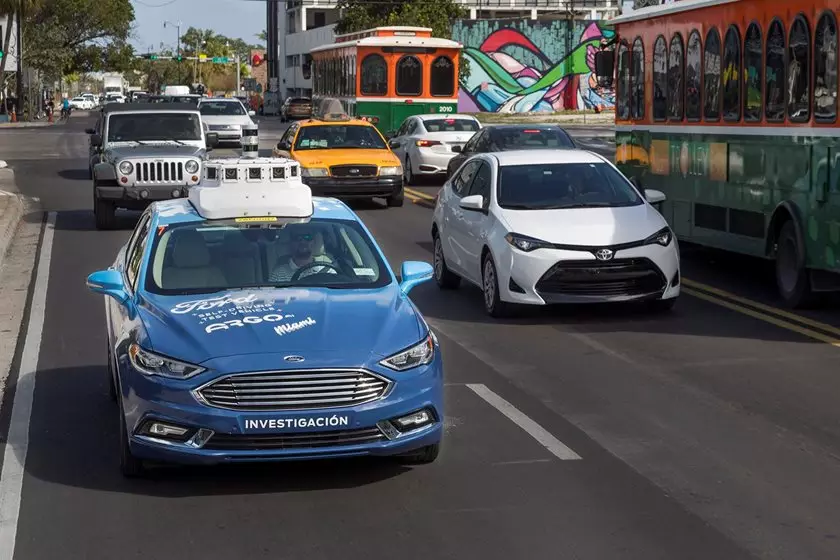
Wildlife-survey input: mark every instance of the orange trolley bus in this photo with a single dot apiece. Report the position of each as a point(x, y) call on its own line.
point(387, 74)
point(729, 107)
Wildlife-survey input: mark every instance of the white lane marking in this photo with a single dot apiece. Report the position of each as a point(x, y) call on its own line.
point(14, 456)
point(554, 445)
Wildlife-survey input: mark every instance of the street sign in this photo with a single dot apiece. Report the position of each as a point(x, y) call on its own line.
point(274, 84)
point(250, 84)
point(220, 59)
point(202, 57)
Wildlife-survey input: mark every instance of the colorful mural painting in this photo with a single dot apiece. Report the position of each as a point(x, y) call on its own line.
point(525, 66)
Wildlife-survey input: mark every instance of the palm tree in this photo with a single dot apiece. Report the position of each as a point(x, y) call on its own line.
point(263, 36)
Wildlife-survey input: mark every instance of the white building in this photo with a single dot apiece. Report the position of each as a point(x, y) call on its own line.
point(11, 58)
point(305, 24)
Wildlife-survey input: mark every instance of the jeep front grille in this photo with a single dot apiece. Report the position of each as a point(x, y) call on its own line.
point(160, 172)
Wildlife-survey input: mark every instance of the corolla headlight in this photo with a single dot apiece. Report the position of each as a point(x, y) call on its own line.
point(314, 172)
point(418, 355)
point(150, 363)
point(386, 171)
point(525, 243)
point(662, 237)
point(126, 167)
point(191, 166)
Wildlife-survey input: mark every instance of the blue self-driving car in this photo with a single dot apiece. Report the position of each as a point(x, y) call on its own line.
point(251, 338)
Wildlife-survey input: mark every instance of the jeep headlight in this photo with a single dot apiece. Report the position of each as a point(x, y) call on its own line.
point(191, 166)
point(149, 363)
point(419, 354)
point(386, 171)
point(314, 172)
point(126, 167)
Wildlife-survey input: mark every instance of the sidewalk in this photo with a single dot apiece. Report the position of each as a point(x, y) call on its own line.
point(29, 124)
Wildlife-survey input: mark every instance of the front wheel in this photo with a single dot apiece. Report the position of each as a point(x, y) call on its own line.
point(792, 277)
point(408, 174)
point(396, 200)
point(493, 303)
point(105, 213)
point(422, 456)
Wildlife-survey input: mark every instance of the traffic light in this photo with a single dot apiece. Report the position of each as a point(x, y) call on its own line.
point(179, 58)
point(150, 56)
point(256, 60)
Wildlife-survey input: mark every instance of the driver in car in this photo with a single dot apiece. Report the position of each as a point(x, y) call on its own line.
point(303, 257)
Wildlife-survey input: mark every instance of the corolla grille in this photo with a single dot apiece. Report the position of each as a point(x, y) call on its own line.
point(159, 171)
point(620, 277)
point(294, 390)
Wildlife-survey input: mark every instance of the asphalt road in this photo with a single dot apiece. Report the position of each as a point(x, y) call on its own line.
point(712, 432)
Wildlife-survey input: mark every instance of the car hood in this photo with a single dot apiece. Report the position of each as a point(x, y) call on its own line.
point(226, 119)
point(152, 149)
point(586, 226)
point(318, 324)
point(338, 156)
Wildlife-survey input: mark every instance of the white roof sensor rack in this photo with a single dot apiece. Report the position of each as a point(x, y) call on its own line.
point(251, 187)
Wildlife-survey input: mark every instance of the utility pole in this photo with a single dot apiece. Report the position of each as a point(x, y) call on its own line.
point(238, 69)
point(19, 45)
point(177, 26)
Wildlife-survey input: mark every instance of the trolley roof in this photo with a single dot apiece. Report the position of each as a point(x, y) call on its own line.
point(393, 37)
point(660, 10)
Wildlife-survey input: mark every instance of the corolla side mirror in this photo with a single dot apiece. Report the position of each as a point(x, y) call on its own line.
point(474, 202)
point(414, 273)
point(654, 197)
point(393, 144)
point(457, 149)
point(110, 283)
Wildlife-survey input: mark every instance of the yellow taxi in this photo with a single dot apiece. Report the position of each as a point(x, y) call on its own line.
point(343, 157)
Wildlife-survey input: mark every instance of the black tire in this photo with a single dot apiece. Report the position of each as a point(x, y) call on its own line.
point(445, 278)
point(661, 305)
point(105, 213)
point(130, 466)
point(396, 200)
point(493, 304)
point(422, 456)
point(112, 386)
point(408, 175)
point(792, 278)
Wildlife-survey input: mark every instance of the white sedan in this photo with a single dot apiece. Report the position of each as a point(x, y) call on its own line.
point(424, 142)
point(553, 226)
point(81, 103)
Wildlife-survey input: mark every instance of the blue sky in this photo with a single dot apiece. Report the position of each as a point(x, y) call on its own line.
point(233, 18)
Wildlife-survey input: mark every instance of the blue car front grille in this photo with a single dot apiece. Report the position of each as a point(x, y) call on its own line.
point(294, 390)
point(309, 440)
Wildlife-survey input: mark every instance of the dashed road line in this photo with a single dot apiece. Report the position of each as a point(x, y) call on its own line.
point(551, 443)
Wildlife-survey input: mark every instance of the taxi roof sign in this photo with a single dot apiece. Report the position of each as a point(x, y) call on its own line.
point(251, 190)
point(334, 117)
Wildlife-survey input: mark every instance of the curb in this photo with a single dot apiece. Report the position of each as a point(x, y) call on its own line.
point(13, 212)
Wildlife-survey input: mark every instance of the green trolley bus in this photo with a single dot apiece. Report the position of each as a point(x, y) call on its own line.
point(729, 107)
point(387, 74)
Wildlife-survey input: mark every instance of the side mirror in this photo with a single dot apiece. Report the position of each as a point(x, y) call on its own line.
point(414, 273)
point(473, 202)
point(90, 131)
point(457, 149)
point(96, 140)
point(654, 197)
point(252, 113)
point(393, 144)
point(212, 140)
point(108, 282)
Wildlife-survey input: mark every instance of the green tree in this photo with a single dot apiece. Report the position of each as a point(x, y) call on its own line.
point(63, 36)
point(263, 37)
point(10, 8)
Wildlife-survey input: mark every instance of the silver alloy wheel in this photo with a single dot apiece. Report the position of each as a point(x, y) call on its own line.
point(489, 284)
point(438, 259)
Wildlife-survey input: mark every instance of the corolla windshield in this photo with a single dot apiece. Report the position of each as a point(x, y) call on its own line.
point(203, 257)
point(337, 136)
point(221, 108)
point(564, 185)
point(139, 127)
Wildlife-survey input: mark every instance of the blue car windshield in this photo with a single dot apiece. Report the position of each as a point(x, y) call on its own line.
point(207, 257)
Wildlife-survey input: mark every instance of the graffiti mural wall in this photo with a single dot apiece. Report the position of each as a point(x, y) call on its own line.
point(521, 66)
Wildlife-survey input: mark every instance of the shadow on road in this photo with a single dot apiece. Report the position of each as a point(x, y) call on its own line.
point(83, 451)
point(75, 174)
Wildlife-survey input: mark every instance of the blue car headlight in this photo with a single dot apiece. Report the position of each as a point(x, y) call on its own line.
point(149, 363)
point(420, 354)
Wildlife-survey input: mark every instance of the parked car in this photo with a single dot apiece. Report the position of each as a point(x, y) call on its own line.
point(426, 143)
point(507, 137)
point(540, 227)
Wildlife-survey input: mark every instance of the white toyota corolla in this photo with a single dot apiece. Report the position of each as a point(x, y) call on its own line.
point(552, 226)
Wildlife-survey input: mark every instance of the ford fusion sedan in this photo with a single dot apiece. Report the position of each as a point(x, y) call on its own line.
point(558, 226)
point(237, 338)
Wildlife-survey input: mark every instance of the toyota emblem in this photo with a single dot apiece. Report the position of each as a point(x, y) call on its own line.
point(294, 358)
point(604, 254)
